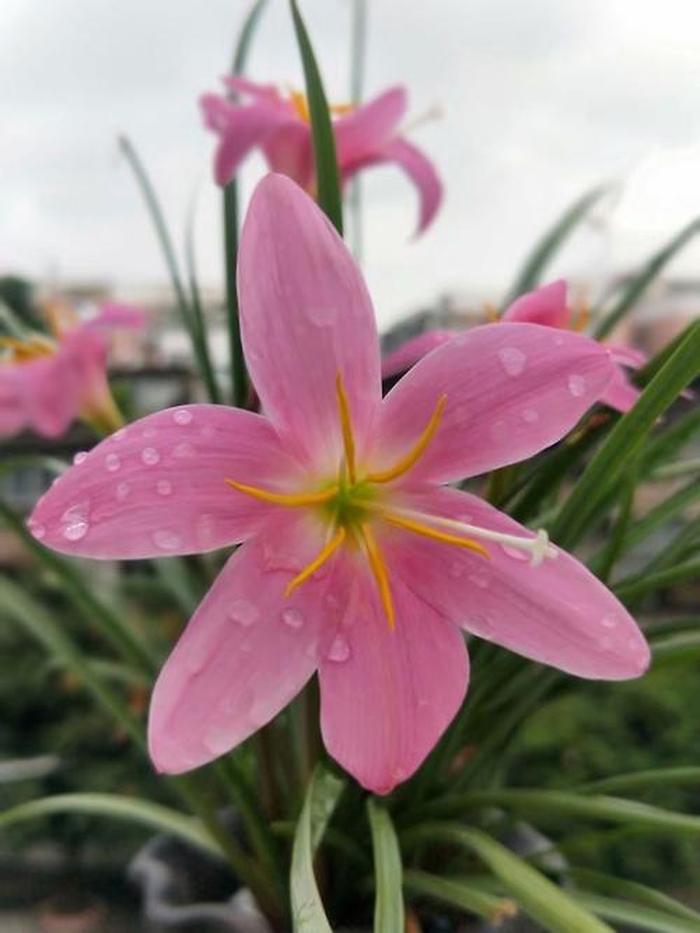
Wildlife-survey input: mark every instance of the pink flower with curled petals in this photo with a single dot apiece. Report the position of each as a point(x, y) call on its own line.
point(546, 306)
point(357, 561)
point(279, 126)
point(47, 381)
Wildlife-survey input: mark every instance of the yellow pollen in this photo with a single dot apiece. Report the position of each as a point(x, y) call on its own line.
point(283, 498)
point(409, 524)
point(405, 463)
point(300, 103)
point(346, 428)
point(381, 575)
point(318, 561)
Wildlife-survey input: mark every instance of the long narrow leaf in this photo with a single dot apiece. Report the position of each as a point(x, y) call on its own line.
point(626, 438)
point(535, 893)
point(633, 891)
point(643, 780)
point(152, 815)
point(641, 282)
point(530, 274)
point(325, 161)
point(638, 918)
point(308, 915)
point(457, 892)
point(388, 907)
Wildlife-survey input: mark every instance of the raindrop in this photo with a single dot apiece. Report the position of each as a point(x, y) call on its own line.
point(184, 450)
point(166, 540)
point(122, 491)
point(80, 457)
point(339, 650)
point(577, 385)
point(218, 739)
point(457, 569)
point(150, 456)
point(292, 618)
point(36, 529)
point(530, 415)
point(119, 435)
point(183, 416)
point(559, 341)
point(499, 430)
point(78, 512)
point(164, 487)
point(608, 622)
point(112, 462)
point(262, 710)
point(76, 530)
point(512, 360)
point(399, 774)
point(515, 552)
point(323, 316)
point(479, 579)
point(149, 432)
point(243, 613)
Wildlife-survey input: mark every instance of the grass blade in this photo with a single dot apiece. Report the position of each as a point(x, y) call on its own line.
point(457, 892)
point(388, 907)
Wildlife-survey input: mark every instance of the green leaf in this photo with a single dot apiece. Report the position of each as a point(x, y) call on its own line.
point(633, 891)
point(639, 918)
point(326, 163)
point(660, 514)
point(625, 439)
point(681, 647)
point(551, 803)
point(388, 907)
point(643, 780)
point(636, 288)
point(152, 815)
point(308, 915)
point(457, 892)
point(633, 588)
point(531, 273)
point(536, 894)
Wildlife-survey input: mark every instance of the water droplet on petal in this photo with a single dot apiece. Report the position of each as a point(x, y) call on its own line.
point(515, 552)
point(122, 491)
point(207, 431)
point(457, 569)
point(262, 709)
point(183, 416)
point(559, 341)
point(150, 456)
point(609, 621)
point(512, 360)
point(80, 457)
point(75, 530)
point(323, 316)
point(480, 579)
point(112, 462)
point(499, 430)
point(164, 487)
point(219, 739)
point(36, 528)
point(149, 432)
point(577, 385)
point(184, 450)
point(399, 774)
point(166, 539)
point(292, 618)
point(339, 650)
point(530, 415)
point(77, 512)
point(118, 435)
point(243, 613)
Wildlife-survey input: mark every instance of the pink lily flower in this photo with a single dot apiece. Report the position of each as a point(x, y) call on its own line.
point(358, 562)
point(47, 381)
point(546, 306)
point(279, 126)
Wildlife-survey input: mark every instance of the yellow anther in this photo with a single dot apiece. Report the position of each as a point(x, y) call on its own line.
point(491, 312)
point(300, 103)
point(21, 351)
point(326, 552)
point(405, 463)
point(409, 524)
point(381, 575)
point(284, 498)
point(346, 428)
point(582, 316)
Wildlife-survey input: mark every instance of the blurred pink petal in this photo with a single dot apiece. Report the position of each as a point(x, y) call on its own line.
point(113, 315)
point(407, 354)
point(512, 390)
point(421, 171)
point(625, 355)
point(547, 305)
point(369, 128)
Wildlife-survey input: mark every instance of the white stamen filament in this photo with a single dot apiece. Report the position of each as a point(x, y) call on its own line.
point(435, 112)
point(538, 547)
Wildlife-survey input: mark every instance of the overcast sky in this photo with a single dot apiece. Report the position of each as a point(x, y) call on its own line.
point(540, 98)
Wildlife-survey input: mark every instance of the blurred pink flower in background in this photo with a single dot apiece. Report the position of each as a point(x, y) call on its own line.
point(279, 126)
point(548, 307)
point(357, 561)
point(48, 381)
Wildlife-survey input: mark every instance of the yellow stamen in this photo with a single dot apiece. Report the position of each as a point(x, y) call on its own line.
point(426, 531)
point(346, 428)
point(381, 575)
point(405, 463)
point(300, 104)
point(23, 350)
point(491, 312)
point(318, 561)
point(582, 316)
point(284, 498)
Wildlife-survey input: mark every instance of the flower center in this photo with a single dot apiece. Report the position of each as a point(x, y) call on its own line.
point(356, 500)
point(14, 350)
point(300, 103)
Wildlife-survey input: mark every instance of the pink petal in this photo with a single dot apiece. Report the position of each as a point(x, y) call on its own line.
point(264, 92)
point(48, 410)
point(557, 613)
point(245, 654)
point(512, 390)
point(387, 696)
point(306, 317)
point(546, 305)
point(627, 356)
point(421, 171)
point(369, 128)
point(288, 151)
point(240, 130)
point(11, 414)
point(113, 315)
point(620, 394)
point(408, 353)
point(159, 486)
